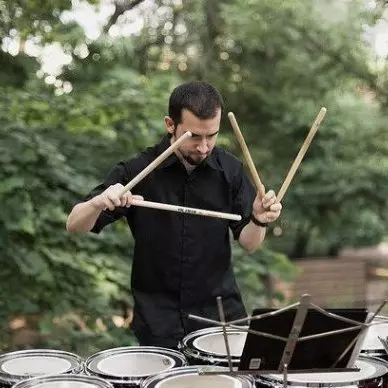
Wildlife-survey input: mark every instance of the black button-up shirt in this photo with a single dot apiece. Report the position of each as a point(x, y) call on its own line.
point(181, 262)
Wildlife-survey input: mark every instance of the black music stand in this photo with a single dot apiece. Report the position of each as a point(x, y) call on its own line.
point(315, 352)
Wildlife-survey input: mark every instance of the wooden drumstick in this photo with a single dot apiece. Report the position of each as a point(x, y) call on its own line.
point(187, 210)
point(301, 153)
point(155, 163)
point(247, 155)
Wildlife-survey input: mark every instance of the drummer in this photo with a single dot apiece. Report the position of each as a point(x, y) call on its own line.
point(182, 262)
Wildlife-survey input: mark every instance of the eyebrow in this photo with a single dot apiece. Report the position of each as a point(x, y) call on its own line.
point(197, 135)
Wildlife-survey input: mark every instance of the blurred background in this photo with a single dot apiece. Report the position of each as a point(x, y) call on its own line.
point(84, 84)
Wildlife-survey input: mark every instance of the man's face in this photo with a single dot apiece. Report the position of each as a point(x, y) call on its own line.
point(204, 135)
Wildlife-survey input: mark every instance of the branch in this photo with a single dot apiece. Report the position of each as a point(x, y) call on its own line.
point(121, 6)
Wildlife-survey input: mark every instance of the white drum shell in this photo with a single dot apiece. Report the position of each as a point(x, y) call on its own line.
point(190, 377)
point(207, 346)
point(371, 343)
point(23, 364)
point(128, 366)
point(64, 381)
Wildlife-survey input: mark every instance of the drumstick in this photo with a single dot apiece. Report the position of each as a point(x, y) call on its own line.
point(301, 153)
point(155, 163)
point(247, 155)
point(187, 210)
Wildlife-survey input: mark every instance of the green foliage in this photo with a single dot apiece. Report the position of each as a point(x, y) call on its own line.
point(257, 274)
point(43, 270)
point(32, 18)
point(46, 165)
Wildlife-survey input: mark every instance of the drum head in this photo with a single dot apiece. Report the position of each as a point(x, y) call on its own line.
point(64, 381)
point(189, 377)
point(209, 344)
point(371, 343)
point(23, 364)
point(369, 369)
point(133, 363)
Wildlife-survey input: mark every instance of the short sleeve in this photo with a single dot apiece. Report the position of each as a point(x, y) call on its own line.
point(244, 194)
point(119, 174)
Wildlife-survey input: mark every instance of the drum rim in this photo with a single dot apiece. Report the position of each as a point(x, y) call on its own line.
point(175, 355)
point(371, 352)
point(209, 358)
point(152, 381)
point(205, 355)
point(30, 383)
point(76, 362)
point(381, 317)
point(381, 363)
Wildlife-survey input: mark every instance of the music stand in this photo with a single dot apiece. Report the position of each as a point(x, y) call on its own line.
point(285, 340)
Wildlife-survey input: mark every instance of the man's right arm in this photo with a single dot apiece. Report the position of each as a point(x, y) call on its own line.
point(84, 215)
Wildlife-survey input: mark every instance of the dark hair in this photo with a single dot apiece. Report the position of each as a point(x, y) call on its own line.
point(200, 98)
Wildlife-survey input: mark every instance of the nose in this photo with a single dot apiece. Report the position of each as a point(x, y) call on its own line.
point(203, 146)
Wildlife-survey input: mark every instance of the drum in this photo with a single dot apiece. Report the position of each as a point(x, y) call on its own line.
point(23, 364)
point(189, 377)
point(128, 366)
point(64, 381)
point(207, 346)
point(370, 375)
point(371, 344)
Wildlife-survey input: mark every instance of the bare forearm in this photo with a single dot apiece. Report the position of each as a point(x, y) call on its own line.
point(251, 237)
point(83, 217)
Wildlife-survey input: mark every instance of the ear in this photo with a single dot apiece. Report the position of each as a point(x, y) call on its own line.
point(169, 123)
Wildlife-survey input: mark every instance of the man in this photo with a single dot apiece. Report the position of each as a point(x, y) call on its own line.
point(182, 262)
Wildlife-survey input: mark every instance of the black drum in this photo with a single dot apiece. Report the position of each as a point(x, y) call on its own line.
point(370, 375)
point(128, 366)
point(24, 364)
point(207, 346)
point(189, 377)
point(64, 381)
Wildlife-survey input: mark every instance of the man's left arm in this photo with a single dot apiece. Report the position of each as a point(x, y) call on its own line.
point(264, 210)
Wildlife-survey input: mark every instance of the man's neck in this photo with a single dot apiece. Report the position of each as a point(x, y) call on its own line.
point(189, 167)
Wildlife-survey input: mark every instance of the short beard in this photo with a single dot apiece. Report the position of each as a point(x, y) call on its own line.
point(193, 162)
point(187, 158)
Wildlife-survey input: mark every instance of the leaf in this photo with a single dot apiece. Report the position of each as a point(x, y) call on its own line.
point(10, 184)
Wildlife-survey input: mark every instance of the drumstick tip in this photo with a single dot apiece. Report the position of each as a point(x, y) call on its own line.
point(230, 114)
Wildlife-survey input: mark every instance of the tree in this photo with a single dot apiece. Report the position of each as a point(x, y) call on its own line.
point(277, 63)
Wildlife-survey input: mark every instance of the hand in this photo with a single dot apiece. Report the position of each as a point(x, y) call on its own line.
point(266, 209)
point(110, 198)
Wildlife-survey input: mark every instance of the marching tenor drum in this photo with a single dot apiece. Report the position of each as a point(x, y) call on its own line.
point(371, 344)
point(370, 375)
point(207, 346)
point(190, 377)
point(64, 381)
point(128, 366)
point(23, 364)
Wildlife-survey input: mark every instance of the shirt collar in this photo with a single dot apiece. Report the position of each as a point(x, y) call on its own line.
point(212, 160)
point(161, 147)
